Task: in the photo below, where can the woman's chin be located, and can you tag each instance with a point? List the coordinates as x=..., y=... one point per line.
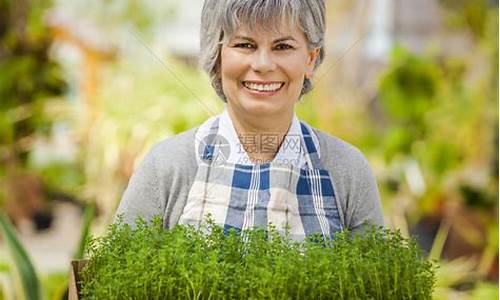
x=261, y=107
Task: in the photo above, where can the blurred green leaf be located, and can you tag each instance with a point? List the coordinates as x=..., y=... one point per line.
x=470, y=14
x=485, y=290
x=21, y=261
x=88, y=216
x=55, y=285
x=4, y=267
x=409, y=87
x=62, y=177
x=398, y=140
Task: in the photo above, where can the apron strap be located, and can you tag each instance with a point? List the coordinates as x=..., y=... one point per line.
x=209, y=140
x=312, y=155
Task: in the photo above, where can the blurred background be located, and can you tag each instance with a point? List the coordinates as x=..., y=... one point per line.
x=87, y=86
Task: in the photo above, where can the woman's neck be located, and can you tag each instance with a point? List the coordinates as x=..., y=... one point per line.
x=260, y=136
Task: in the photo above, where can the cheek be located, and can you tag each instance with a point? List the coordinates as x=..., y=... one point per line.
x=295, y=68
x=231, y=65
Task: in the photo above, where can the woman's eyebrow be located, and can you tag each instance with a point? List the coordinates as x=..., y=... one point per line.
x=240, y=37
x=286, y=38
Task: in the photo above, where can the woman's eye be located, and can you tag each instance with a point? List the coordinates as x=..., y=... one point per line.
x=283, y=47
x=244, y=45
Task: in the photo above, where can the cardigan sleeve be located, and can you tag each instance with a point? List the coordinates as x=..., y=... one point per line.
x=161, y=184
x=364, y=200
x=355, y=186
x=143, y=196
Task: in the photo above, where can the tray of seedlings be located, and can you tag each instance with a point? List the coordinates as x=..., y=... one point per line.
x=146, y=261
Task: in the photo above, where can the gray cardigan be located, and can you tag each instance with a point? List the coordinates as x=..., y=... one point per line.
x=161, y=183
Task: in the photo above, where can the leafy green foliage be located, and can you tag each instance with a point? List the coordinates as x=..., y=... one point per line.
x=29, y=77
x=441, y=112
x=469, y=14
x=64, y=177
x=407, y=92
x=148, y=262
x=29, y=80
x=20, y=260
x=88, y=217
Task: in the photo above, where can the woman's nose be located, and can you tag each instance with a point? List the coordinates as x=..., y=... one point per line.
x=263, y=61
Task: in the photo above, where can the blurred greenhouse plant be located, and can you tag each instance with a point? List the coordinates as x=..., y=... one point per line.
x=152, y=106
x=30, y=81
x=440, y=113
x=26, y=282
x=19, y=279
x=131, y=93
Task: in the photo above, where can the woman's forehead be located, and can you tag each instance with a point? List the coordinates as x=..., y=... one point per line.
x=283, y=30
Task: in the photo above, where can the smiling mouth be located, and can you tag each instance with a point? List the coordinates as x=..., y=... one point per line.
x=269, y=87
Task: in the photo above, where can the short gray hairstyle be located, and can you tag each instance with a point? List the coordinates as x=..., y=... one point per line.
x=221, y=18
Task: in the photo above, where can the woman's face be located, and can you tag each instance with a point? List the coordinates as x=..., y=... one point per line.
x=263, y=72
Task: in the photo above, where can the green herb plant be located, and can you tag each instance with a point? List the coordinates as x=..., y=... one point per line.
x=148, y=262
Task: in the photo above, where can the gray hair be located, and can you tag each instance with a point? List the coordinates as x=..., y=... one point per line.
x=221, y=18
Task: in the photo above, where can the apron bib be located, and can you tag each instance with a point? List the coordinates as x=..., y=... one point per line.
x=243, y=196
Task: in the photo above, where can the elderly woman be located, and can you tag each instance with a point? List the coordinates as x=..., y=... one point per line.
x=256, y=163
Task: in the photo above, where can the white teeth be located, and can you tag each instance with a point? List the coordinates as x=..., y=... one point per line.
x=263, y=87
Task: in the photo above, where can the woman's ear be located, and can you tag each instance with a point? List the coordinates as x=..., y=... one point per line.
x=311, y=62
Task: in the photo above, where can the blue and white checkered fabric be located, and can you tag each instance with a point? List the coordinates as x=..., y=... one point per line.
x=244, y=196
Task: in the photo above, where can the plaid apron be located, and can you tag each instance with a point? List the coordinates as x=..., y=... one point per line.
x=243, y=196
